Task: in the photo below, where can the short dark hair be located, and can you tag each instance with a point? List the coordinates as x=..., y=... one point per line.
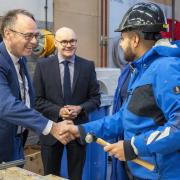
x=155, y=36
x=10, y=18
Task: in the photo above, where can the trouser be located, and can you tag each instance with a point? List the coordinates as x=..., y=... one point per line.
x=52, y=155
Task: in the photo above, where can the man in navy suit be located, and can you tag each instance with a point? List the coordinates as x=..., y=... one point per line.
x=60, y=97
x=19, y=32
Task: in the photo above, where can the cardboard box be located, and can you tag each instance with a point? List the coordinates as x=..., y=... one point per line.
x=33, y=160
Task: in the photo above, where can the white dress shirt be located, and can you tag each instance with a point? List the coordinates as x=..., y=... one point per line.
x=15, y=60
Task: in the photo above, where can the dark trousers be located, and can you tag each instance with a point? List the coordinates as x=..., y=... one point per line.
x=52, y=155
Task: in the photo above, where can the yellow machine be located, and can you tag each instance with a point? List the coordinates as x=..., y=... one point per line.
x=45, y=46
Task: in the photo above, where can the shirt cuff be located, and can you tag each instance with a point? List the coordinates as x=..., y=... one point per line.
x=48, y=127
x=129, y=151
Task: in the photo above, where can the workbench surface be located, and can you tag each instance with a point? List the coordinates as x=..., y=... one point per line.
x=15, y=173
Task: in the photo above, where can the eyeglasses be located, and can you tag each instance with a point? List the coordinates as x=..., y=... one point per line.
x=64, y=43
x=27, y=36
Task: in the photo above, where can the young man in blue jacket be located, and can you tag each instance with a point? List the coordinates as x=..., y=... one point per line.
x=150, y=116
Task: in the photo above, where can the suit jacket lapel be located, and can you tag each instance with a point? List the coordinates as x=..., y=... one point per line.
x=10, y=62
x=57, y=75
x=77, y=68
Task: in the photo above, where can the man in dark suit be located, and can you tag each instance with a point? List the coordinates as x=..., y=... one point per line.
x=19, y=34
x=60, y=96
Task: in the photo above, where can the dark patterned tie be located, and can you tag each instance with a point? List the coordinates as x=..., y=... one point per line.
x=66, y=83
x=22, y=131
x=22, y=74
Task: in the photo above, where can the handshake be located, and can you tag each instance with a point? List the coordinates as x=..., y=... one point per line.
x=65, y=131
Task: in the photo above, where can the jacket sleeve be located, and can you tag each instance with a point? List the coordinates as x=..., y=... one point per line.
x=165, y=139
x=93, y=92
x=42, y=104
x=106, y=128
x=13, y=110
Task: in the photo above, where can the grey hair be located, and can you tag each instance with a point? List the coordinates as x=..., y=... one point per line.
x=10, y=18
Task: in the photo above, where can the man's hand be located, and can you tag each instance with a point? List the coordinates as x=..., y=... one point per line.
x=64, y=113
x=116, y=150
x=69, y=112
x=71, y=130
x=74, y=110
x=58, y=128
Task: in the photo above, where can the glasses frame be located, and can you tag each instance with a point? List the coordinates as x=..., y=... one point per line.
x=27, y=36
x=65, y=43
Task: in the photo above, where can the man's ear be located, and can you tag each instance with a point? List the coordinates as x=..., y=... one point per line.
x=6, y=33
x=55, y=43
x=136, y=40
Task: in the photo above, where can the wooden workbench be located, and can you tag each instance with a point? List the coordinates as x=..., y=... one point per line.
x=15, y=173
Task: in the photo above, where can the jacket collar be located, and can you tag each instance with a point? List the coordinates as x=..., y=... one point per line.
x=145, y=60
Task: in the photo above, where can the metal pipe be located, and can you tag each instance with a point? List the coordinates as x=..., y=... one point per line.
x=173, y=19
x=101, y=35
x=106, y=33
x=46, y=13
x=9, y=164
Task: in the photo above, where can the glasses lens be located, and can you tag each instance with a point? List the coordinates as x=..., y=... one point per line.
x=29, y=36
x=71, y=42
x=64, y=43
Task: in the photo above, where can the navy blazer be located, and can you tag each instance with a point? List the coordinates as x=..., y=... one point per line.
x=49, y=95
x=13, y=111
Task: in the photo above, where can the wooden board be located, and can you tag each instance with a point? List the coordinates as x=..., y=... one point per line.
x=15, y=173
x=52, y=177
